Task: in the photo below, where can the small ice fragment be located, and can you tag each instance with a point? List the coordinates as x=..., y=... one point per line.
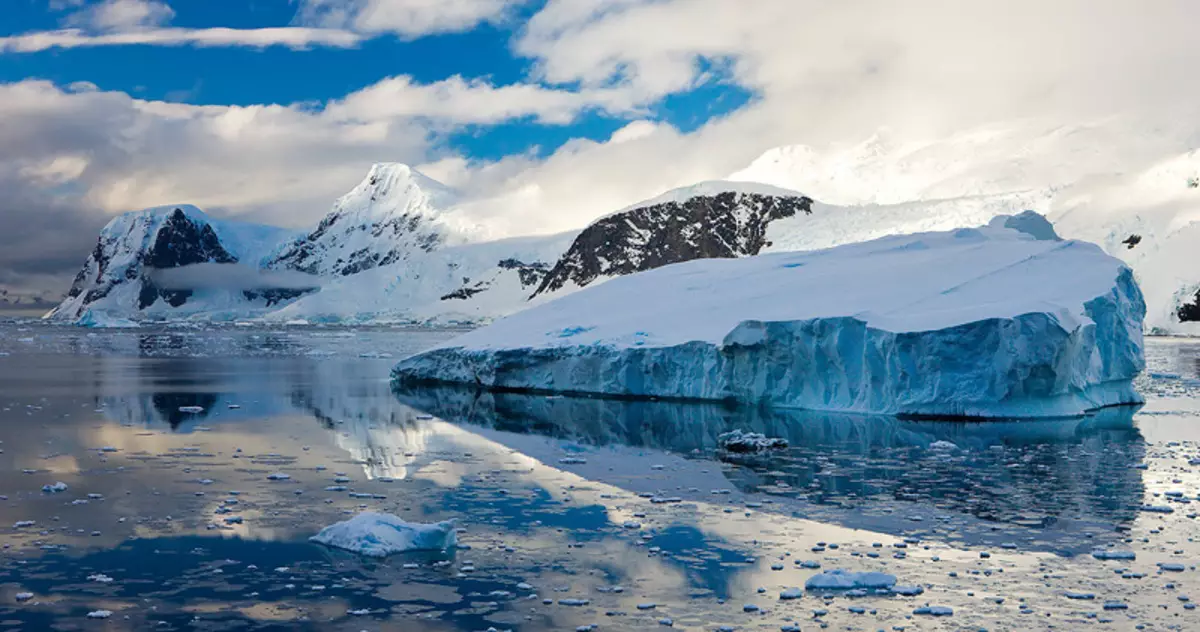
x=1174, y=568
x=24, y=596
x=191, y=409
x=839, y=579
x=1115, y=605
x=1105, y=554
x=907, y=591
x=233, y=520
x=21, y=524
x=573, y=602
x=787, y=594
x=572, y=460
x=750, y=608
x=358, y=613
x=100, y=577
x=632, y=525
x=934, y=611
x=379, y=535
x=278, y=476
x=99, y=614
x=1080, y=596
x=55, y=488
x=749, y=442
x=647, y=606
x=942, y=446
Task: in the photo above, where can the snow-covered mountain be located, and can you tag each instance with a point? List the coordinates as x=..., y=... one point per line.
x=396, y=212
x=706, y=221
x=119, y=277
x=395, y=249
x=400, y=246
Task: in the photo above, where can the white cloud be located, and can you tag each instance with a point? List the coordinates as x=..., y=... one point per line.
x=463, y=101
x=122, y=15
x=290, y=37
x=407, y=18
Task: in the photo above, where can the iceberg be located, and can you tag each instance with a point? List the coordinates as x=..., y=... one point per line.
x=1001, y=321
x=380, y=535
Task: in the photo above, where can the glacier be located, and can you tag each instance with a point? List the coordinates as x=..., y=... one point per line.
x=1001, y=321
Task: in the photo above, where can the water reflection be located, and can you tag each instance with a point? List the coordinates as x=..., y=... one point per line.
x=1031, y=474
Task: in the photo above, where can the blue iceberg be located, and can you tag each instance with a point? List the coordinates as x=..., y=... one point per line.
x=1001, y=321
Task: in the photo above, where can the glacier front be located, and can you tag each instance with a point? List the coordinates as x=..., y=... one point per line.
x=1002, y=321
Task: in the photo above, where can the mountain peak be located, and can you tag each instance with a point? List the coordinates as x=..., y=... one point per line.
x=394, y=186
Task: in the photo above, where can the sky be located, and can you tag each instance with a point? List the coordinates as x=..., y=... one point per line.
x=548, y=112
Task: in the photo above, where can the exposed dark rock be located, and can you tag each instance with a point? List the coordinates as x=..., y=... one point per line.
x=180, y=241
x=1190, y=312
x=529, y=273
x=464, y=293
x=726, y=225
x=275, y=296
x=1132, y=241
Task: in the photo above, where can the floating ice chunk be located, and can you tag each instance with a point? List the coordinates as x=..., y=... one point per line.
x=788, y=594
x=191, y=409
x=839, y=579
x=379, y=535
x=1174, y=568
x=23, y=596
x=934, y=611
x=749, y=442
x=55, y=488
x=1080, y=596
x=278, y=476
x=1115, y=605
x=1106, y=554
x=942, y=446
x=100, y=577
x=99, y=614
x=21, y=524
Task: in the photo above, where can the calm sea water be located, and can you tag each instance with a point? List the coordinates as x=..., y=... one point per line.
x=574, y=512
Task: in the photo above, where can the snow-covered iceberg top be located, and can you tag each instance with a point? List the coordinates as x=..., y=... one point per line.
x=1004, y=320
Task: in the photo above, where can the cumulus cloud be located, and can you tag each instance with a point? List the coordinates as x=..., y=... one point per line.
x=819, y=72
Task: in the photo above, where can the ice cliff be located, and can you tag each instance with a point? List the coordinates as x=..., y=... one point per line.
x=1001, y=321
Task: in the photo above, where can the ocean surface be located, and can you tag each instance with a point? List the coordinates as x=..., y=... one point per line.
x=572, y=513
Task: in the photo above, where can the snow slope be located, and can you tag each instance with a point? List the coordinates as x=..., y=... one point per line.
x=985, y=322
